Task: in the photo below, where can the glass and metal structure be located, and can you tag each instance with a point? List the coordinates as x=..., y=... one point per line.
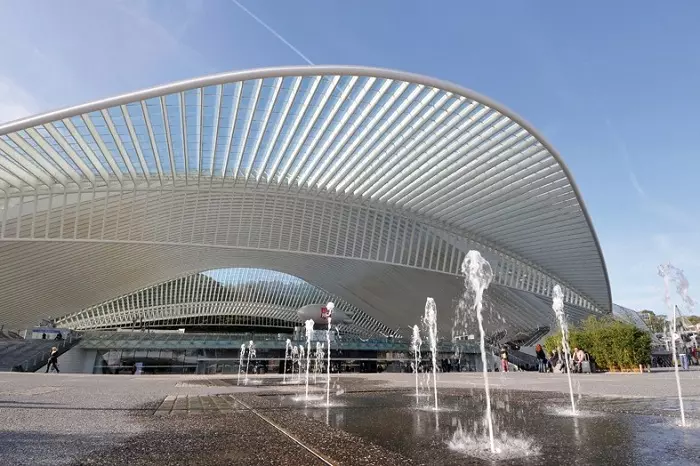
x=370, y=184
x=231, y=298
x=629, y=316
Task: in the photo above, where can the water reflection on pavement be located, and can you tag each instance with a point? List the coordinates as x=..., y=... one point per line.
x=609, y=431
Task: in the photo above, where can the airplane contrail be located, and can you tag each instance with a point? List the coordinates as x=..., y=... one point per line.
x=275, y=33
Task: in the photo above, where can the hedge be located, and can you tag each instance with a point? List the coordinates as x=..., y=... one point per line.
x=615, y=345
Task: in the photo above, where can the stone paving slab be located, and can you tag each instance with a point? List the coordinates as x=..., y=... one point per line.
x=209, y=439
x=195, y=404
x=339, y=446
x=658, y=384
x=52, y=419
x=334, y=445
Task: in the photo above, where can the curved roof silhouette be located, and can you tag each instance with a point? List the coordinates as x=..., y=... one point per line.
x=293, y=169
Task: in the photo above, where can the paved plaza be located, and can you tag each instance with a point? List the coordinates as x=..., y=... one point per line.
x=660, y=383
x=95, y=419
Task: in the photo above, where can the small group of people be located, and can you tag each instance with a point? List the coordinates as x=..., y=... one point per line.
x=688, y=356
x=580, y=361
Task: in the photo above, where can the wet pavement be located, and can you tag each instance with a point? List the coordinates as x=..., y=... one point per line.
x=604, y=433
x=114, y=420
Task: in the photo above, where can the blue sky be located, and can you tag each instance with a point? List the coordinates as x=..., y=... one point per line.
x=613, y=85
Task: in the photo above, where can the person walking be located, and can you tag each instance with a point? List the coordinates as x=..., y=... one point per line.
x=541, y=358
x=53, y=360
x=504, y=359
x=685, y=358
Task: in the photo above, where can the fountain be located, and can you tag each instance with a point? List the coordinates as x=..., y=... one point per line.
x=329, y=313
x=672, y=274
x=309, y=334
x=294, y=358
x=319, y=359
x=430, y=321
x=251, y=352
x=478, y=277
x=287, y=350
x=416, y=342
x=240, y=363
x=558, y=307
x=301, y=358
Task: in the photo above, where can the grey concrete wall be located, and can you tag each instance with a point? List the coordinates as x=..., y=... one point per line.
x=75, y=361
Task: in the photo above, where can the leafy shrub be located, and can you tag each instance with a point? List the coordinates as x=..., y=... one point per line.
x=615, y=345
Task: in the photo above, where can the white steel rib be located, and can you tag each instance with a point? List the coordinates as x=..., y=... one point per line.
x=330, y=166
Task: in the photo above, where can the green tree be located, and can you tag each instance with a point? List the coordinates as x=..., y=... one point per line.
x=657, y=324
x=615, y=345
x=552, y=342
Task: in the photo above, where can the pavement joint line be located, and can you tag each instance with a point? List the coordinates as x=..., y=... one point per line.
x=308, y=448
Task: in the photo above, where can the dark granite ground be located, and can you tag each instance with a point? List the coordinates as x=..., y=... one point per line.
x=391, y=421
x=210, y=438
x=204, y=421
x=239, y=429
x=375, y=425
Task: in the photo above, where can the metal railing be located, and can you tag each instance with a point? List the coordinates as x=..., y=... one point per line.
x=40, y=358
x=145, y=340
x=536, y=336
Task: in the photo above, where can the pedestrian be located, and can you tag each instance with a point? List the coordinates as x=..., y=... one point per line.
x=541, y=358
x=685, y=358
x=53, y=360
x=554, y=360
x=578, y=357
x=504, y=359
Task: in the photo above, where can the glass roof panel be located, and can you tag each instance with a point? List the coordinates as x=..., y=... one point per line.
x=405, y=145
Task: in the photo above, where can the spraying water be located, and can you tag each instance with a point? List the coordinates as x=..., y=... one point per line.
x=329, y=309
x=287, y=350
x=299, y=361
x=240, y=363
x=478, y=277
x=251, y=352
x=672, y=274
x=309, y=334
x=319, y=359
x=558, y=307
x=430, y=321
x=416, y=342
x=294, y=358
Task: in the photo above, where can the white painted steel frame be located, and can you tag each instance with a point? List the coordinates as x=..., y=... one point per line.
x=272, y=298
x=352, y=162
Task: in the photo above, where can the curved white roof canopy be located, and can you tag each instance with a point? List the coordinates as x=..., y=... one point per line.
x=351, y=162
x=221, y=297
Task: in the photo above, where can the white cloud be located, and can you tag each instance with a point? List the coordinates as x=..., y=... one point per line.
x=15, y=102
x=636, y=185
